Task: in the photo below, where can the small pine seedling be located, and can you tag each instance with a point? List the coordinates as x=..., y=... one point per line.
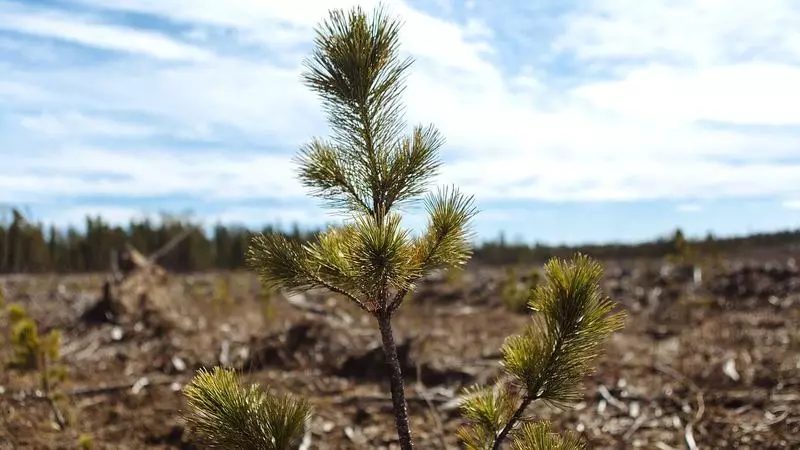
x=85, y=442
x=266, y=298
x=221, y=298
x=369, y=170
x=32, y=352
x=513, y=293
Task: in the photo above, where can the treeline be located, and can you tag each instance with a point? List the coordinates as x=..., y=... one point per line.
x=500, y=252
x=27, y=247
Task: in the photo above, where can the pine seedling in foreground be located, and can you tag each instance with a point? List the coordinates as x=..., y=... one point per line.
x=570, y=323
x=368, y=170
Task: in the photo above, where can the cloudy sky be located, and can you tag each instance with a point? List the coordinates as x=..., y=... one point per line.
x=568, y=120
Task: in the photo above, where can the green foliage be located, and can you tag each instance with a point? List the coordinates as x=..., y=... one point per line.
x=85, y=442
x=31, y=351
x=221, y=298
x=368, y=170
x=538, y=436
x=35, y=248
x=488, y=410
x=266, y=297
x=515, y=293
x=229, y=416
x=550, y=359
x=16, y=313
x=24, y=345
x=681, y=250
x=27, y=346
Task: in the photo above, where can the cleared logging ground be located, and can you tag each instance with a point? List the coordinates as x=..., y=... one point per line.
x=713, y=362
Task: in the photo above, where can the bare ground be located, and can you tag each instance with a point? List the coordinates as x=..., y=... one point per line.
x=714, y=363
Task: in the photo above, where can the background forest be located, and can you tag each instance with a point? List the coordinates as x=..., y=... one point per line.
x=27, y=247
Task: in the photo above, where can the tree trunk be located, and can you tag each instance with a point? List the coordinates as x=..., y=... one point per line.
x=396, y=379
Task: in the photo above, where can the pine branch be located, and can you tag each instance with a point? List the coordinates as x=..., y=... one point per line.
x=512, y=421
x=486, y=410
x=356, y=71
x=227, y=415
x=538, y=436
x=413, y=165
x=446, y=240
x=326, y=171
x=280, y=262
x=381, y=254
x=571, y=321
x=550, y=359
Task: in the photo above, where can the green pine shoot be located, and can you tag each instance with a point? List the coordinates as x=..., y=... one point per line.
x=571, y=321
x=228, y=416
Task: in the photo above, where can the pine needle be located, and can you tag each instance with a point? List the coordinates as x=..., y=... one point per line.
x=228, y=416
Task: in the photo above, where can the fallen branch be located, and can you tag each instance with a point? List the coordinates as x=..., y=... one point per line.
x=113, y=388
x=688, y=432
x=166, y=248
x=435, y=415
x=94, y=390
x=613, y=401
x=634, y=427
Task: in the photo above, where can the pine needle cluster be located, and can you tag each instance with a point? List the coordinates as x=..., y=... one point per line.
x=570, y=323
x=368, y=171
x=228, y=416
x=30, y=350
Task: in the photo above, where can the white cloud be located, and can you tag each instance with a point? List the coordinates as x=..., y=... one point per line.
x=744, y=93
x=77, y=171
x=73, y=123
x=511, y=133
x=84, y=31
x=705, y=34
x=689, y=208
x=792, y=204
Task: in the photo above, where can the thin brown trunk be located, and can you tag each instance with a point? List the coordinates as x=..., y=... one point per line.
x=396, y=380
x=498, y=441
x=45, y=378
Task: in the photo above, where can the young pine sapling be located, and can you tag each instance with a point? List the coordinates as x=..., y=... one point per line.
x=368, y=170
x=33, y=352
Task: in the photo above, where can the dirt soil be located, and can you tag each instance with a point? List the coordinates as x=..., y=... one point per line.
x=708, y=359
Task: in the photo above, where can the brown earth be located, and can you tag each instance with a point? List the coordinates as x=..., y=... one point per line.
x=714, y=362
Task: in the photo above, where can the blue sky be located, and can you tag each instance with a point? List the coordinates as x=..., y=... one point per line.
x=570, y=121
